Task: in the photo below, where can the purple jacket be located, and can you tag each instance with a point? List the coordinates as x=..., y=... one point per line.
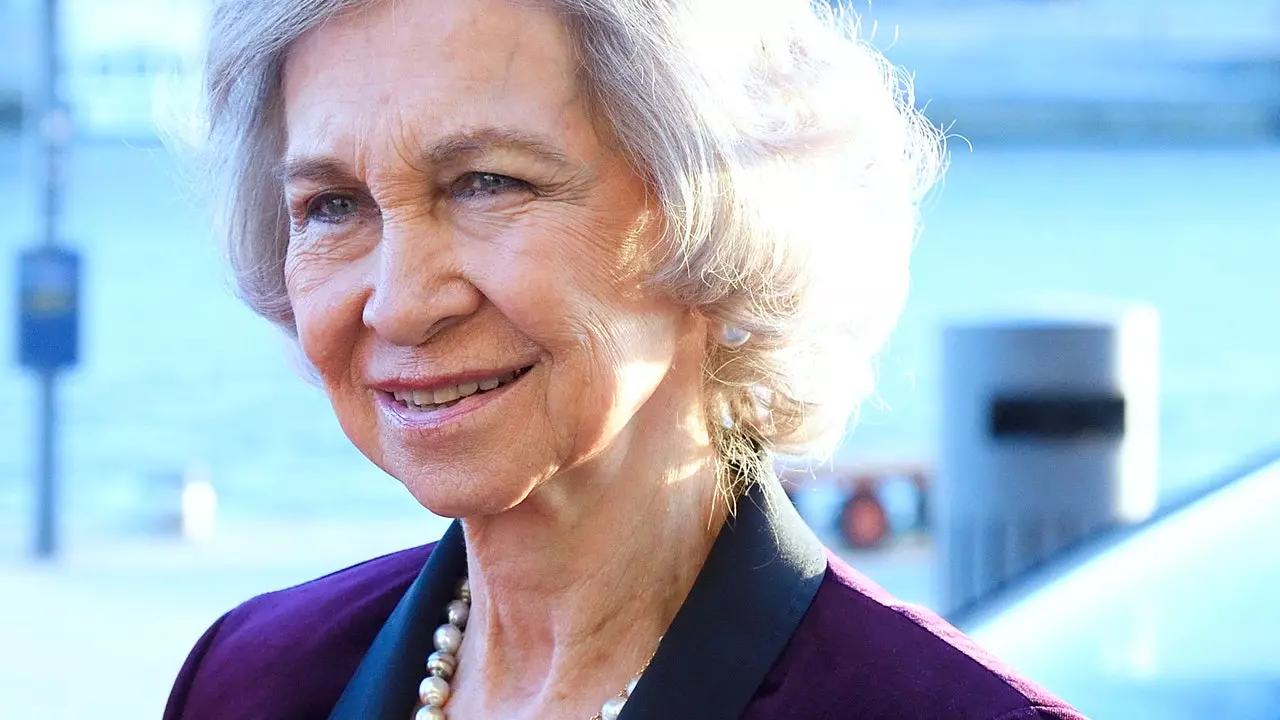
x=775, y=628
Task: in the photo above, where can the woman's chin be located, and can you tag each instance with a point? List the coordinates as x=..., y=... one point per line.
x=462, y=498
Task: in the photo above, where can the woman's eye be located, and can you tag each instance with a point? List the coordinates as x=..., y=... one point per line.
x=331, y=208
x=482, y=183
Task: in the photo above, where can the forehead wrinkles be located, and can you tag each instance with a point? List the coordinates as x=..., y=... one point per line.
x=483, y=41
x=438, y=72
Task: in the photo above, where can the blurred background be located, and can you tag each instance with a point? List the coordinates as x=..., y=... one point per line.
x=1126, y=150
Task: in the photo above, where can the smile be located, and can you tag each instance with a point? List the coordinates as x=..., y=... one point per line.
x=446, y=397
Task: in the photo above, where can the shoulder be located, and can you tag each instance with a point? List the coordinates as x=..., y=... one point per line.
x=347, y=601
x=307, y=639
x=860, y=648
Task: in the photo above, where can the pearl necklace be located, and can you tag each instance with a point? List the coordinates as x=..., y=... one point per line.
x=434, y=691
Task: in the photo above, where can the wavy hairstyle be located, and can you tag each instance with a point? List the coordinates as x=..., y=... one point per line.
x=786, y=153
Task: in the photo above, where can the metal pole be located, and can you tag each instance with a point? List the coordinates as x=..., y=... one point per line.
x=47, y=495
x=54, y=124
x=54, y=131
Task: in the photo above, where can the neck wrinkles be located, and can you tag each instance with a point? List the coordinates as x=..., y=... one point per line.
x=572, y=589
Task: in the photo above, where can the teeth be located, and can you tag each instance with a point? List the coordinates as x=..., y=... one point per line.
x=429, y=398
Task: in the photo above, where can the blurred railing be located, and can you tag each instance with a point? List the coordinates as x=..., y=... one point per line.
x=1071, y=69
x=1006, y=69
x=112, y=57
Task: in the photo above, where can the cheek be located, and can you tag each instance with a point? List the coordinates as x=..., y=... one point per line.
x=610, y=378
x=327, y=300
x=565, y=273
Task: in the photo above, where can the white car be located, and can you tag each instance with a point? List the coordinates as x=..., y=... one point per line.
x=1176, y=619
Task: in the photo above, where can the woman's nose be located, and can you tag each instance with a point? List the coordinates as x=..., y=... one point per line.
x=418, y=288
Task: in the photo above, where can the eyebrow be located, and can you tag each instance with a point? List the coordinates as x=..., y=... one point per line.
x=448, y=150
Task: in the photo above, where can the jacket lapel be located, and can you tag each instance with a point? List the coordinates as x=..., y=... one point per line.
x=762, y=574
x=750, y=596
x=385, y=685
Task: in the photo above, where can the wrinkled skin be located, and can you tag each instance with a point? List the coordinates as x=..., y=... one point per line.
x=454, y=209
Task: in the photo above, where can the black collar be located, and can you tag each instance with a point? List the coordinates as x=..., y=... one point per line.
x=747, y=601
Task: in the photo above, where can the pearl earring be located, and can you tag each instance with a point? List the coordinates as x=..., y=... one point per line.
x=734, y=336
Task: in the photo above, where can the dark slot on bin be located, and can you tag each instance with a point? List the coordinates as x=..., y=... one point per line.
x=1057, y=417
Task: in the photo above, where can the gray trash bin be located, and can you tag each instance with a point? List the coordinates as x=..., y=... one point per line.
x=1049, y=433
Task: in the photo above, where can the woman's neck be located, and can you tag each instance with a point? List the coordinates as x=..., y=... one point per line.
x=572, y=589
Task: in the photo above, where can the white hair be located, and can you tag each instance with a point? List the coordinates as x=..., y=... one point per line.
x=786, y=153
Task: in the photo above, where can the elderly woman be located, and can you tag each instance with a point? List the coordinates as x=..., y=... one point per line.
x=574, y=272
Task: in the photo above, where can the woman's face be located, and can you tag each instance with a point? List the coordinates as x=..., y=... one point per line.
x=467, y=252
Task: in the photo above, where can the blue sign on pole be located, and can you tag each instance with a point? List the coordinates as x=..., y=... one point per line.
x=49, y=308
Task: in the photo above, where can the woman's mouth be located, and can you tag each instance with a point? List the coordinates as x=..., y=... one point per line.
x=446, y=397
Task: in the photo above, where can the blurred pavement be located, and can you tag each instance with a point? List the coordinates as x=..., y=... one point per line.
x=102, y=631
